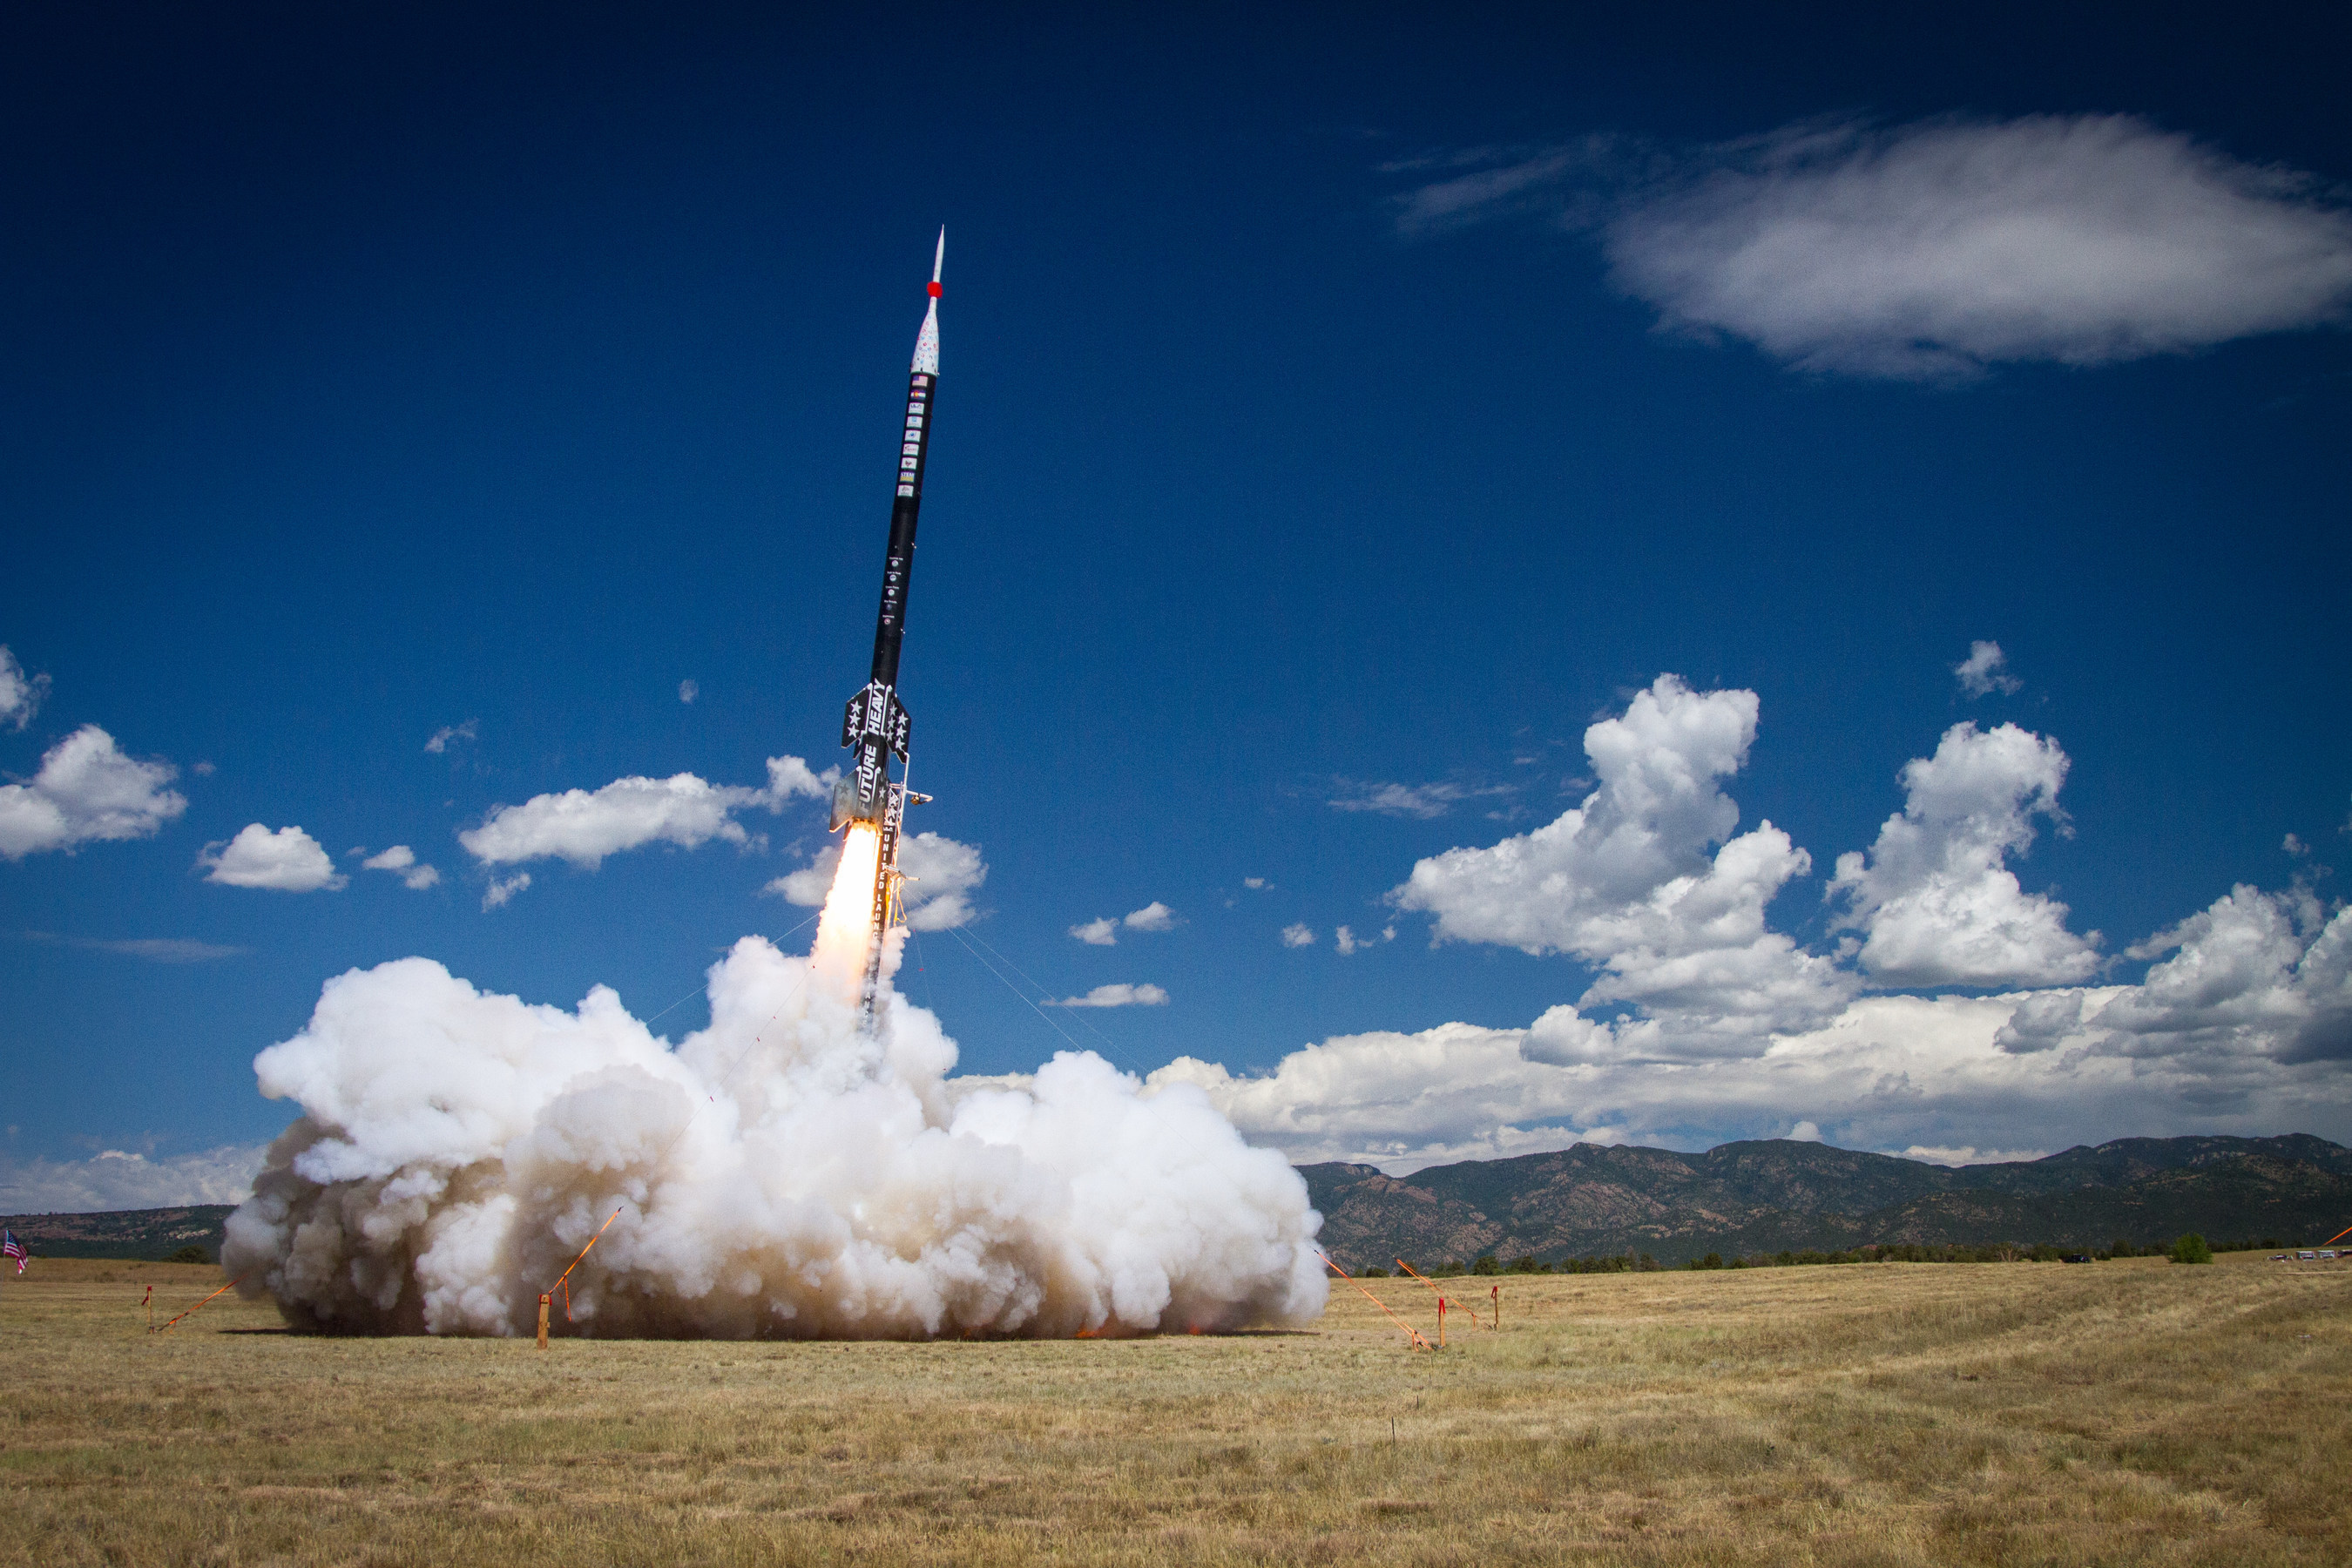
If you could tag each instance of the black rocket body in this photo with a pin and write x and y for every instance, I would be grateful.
(875, 724)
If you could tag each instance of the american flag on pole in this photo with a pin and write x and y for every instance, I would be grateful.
(11, 1248)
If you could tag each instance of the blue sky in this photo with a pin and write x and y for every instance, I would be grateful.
(1340, 413)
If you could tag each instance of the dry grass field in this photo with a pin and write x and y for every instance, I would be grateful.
(2126, 1412)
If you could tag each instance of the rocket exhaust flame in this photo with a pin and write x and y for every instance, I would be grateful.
(844, 931)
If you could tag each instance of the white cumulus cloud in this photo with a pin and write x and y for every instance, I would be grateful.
(1626, 882)
(1119, 995)
(942, 874)
(401, 859)
(20, 694)
(1103, 932)
(1896, 1073)
(120, 1179)
(2253, 981)
(1298, 935)
(87, 791)
(1938, 249)
(583, 827)
(286, 861)
(1934, 898)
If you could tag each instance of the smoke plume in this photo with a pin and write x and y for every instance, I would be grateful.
(778, 1175)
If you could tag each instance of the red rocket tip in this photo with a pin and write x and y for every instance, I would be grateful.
(935, 291)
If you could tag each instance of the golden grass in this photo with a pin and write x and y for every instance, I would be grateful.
(2126, 1412)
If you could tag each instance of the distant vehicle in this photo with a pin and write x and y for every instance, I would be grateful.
(2325, 1253)
(2281, 1258)
(2076, 1258)
(2306, 1257)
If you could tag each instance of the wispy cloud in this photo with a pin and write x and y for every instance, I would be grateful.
(1935, 249)
(154, 949)
(1421, 801)
(1119, 995)
(448, 732)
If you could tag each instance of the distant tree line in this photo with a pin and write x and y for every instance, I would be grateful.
(2190, 1249)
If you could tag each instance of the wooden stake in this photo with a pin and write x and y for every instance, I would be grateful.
(543, 1321)
(1498, 1306)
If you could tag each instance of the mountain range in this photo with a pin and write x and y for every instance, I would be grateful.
(1736, 1200)
(1776, 1195)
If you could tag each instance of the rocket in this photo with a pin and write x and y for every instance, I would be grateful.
(874, 724)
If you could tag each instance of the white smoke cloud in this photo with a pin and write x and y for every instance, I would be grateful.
(20, 694)
(940, 873)
(1934, 898)
(584, 827)
(1938, 249)
(287, 861)
(120, 1179)
(401, 859)
(781, 1174)
(1117, 996)
(1986, 671)
(87, 791)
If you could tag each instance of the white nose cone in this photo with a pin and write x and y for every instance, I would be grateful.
(926, 342)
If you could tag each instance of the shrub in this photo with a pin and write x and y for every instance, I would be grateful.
(1485, 1265)
(1373, 1274)
(2191, 1248)
(1528, 1265)
(191, 1253)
